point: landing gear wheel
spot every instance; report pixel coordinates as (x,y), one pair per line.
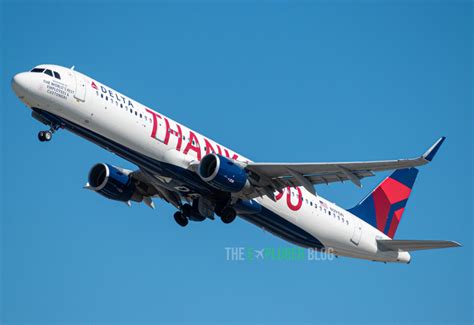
(228,215)
(180,219)
(47,135)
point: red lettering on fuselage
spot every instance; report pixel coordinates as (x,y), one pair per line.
(193,145)
(299,196)
(156,116)
(193,141)
(279,195)
(234,156)
(291,206)
(170,131)
(179,134)
(209,147)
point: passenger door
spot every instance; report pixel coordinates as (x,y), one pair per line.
(86,109)
(80,93)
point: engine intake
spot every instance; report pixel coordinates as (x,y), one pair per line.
(222,173)
(113,183)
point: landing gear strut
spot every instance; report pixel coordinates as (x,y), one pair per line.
(228,215)
(47,135)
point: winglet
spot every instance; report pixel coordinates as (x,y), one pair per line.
(431,152)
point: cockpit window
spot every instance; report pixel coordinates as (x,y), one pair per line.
(37,70)
(49,72)
(56,75)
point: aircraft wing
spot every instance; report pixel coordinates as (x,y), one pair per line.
(146,180)
(414,245)
(274,176)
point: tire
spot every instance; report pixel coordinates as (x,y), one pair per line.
(180,219)
(228,215)
(47,135)
(41,136)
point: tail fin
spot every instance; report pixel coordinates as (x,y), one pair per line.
(383,208)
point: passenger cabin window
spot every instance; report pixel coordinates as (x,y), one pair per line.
(49,72)
(56,75)
(37,70)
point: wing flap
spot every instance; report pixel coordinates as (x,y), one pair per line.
(414,245)
(278,175)
(281,169)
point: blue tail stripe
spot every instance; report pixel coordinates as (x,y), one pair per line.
(365,210)
(391,213)
(405,176)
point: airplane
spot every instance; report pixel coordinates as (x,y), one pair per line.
(203,179)
(259,253)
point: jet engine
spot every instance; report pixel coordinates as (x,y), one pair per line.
(112,182)
(222,173)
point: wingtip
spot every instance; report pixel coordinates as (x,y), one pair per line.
(456,244)
(429,155)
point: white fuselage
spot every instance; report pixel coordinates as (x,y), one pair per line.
(106,112)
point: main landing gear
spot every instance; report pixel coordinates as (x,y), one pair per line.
(181,219)
(228,215)
(45,136)
(187,213)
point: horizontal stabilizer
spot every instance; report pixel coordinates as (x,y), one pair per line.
(414,245)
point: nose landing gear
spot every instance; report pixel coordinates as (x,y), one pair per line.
(45,136)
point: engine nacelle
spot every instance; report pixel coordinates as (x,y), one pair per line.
(113,183)
(222,173)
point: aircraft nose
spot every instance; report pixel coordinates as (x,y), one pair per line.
(20,83)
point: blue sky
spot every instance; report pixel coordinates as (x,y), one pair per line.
(283,81)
